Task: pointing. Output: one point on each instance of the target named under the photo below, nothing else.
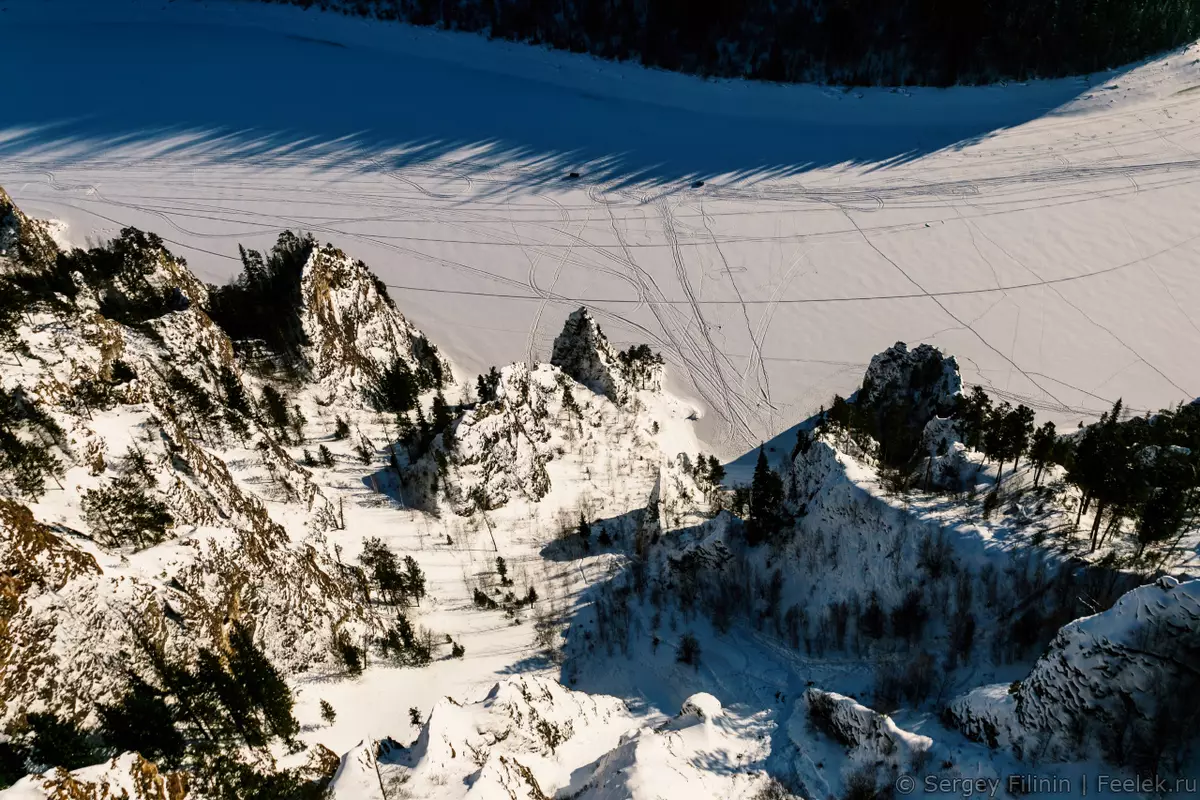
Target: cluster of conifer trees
(930, 42)
(202, 716)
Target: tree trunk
(1096, 524)
(1114, 521)
(1083, 501)
(999, 476)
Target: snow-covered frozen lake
(1045, 234)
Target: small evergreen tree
(584, 532)
(233, 391)
(383, 569)
(487, 385)
(125, 513)
(276, 408)
(264, 685)
(716, 472)
(327, 712)
(689, 651)
(414, 580)
(396, 389)
(325, 456)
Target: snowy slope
(1037, 231)
(1118, 686)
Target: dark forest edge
(848, 42)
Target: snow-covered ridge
(128, 776)
(153, 402)
(1119, 685)
(531, 739)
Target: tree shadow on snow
(240, 96)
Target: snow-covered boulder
(1121, 685)
(837, 741)
(700, 707)
(676, 759)
(855, 726)
(946, 463)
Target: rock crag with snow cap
(354, 330)
(582, 352)
(923, 382)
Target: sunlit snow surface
(1045, 233)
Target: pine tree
(487, 385)
(1041, 449)
(327, 712)
(125, 513)
(766, 517)
(234, 392)
(12, 763)
(584, 532)
(275, 406)
(441, 413)
(414, 580)
(716, 472)
(384, 570)
(396, 389)
(325, 456)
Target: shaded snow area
(548, 312)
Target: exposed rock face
(128, 776)
(24, 243)
(874, 745)
(947, 465)
(158, 389)
(582, 352)
(1121, 685)
(354, 329)
(922, 381)
(503, 444)
(855, 726)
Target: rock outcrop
(354, 330)
(1121, 685)
(582, 352)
